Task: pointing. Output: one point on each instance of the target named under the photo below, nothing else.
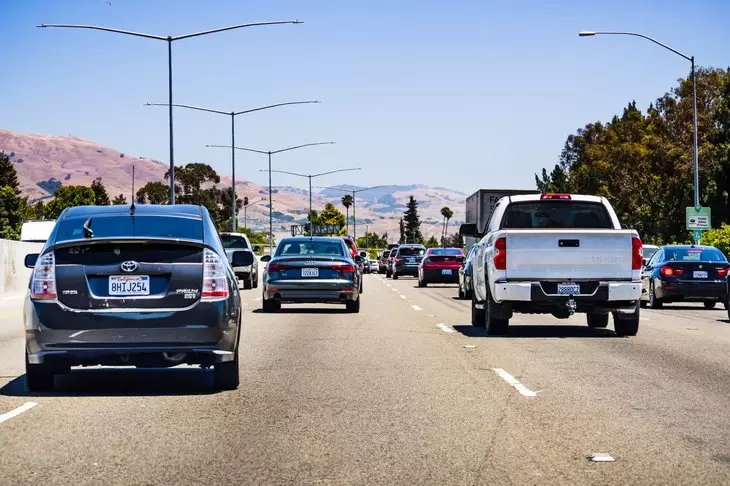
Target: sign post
(698, 220)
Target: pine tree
(8, 175)
(402, 229)
(412, 222)
(12, 206)
(100, 195)
(119, 200)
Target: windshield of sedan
(291, 248)
(693, 255)
(446, 252)
(409, 251)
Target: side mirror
(469, 229)
(256, 249)
(359, 259)
(623, 226)
(30, 260)
(242, 258)
(266, 258)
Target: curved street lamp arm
(239, 148)
(273, 106)
(334, 171)
(285, 172)
(300, 146)
(372, 187)
(189, 107)
(635, 34)
(107, 29)
(222, 29)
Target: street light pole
(233, 115)
(691, 59)
(269, 153)
(169, 39)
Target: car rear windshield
(124, 226)
(446, 252)
(408, 251)
(310, 248)
(693, 255)
(556, 215)
(233, 241)
(386, 254)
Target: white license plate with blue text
(446, 272)
(129, 285)
(569, 288)
(310, 272)
(700, 274)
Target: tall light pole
(270, 153)
(353, 192)
(691, 59)
(310, 177)
(245, 209)
(233, 115)
(169, 39)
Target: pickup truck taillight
(43, 281)
(500, 253)
(637, 254)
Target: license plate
(568, 288)
(310, 272)
(700, 274)
(445, 272)
(411, 260)
(127, 285)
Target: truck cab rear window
(556, 215)
(132, 226)
(237, 242)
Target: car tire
(38, 377)
(460, 293)
(248, 283)
(654, 301)
(626, 325)
(477, 315)
(494, 326)
(597, 321)
(256, 282)
(225, 374)
(395, 277)
(353, 306)
(710, 304)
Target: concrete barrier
(14, 276)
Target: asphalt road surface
(406, 392)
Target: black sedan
(312, 270)
(465, 275)
(685, 273)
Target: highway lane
(404, 392)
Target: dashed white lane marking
(395, 290)
(430, 315)
(512, 381)
(14, 413)
(445, 328)
(402, 296)
(416, 308)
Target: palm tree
(447, 213)
(347, 202)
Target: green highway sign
(698, 219)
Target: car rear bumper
(311, 291)
(437, 275)
(406, 270)
(534, 292)
(693, 290)
(78, 337)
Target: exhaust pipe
(174, 357)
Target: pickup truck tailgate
(569, 254)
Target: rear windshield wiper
(88, 233)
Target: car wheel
(654, 301)
(710, 304)
(597, 320)
(256, 282)
(225, 374)
(477, 315)
(353, 306)
(395, 277)
(38, 377)
(460, 293)
(626, 325)
(494, 326)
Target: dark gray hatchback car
(146, 286)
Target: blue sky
(462, 94)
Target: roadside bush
(719, 238)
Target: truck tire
(477, 315)
(597, 320)
(626, 325)
(494, 326)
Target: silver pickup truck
(556, 254)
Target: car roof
(180, 210)
(688, 247)
(573, 197)
(310, 238)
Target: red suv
(440, 265)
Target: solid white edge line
(14, 413)
(416, 308)
(445, 328)
(512, 381)
(402, 296)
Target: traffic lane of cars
(625, 387)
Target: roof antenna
(132, 208)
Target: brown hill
(43, 162)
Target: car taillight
(277, 267)
(722, 272)
(668, 271)
(215, 284)
(398, 259)
(43, 281)
(344, 268)
(555, 196)
(500, 253)
(637, 254)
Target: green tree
(432, 242)
(412, 222)
(69, 196)
(447, 213)
(100, 195)
(347, 202)
(719, 238)
(8, 174)
(402, 231)
(34, 211)
(13, 207)
(153, 193)
(372, 240)
(120, 200)
(330, 215)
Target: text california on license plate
(310, 272)
(446, 272)
(129, 285)
(569, 288)
(700, 274)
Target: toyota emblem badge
(129, 266)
